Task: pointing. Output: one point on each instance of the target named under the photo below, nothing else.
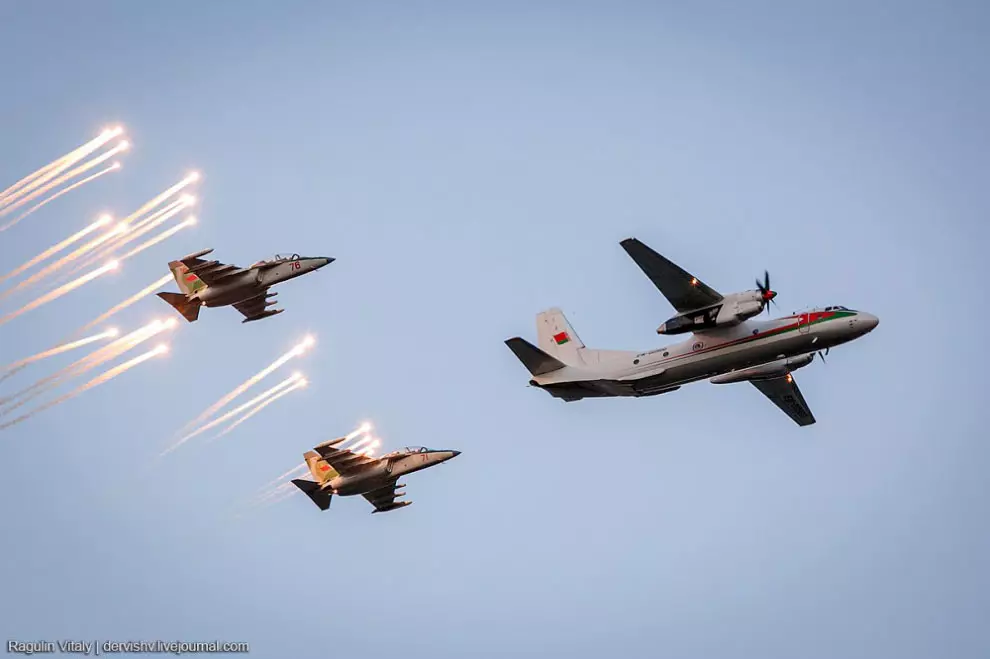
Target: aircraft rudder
(557, 337)
(319, 468)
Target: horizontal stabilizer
(311, 489)
(537, 361)
(188, 308)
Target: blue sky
(470, 164)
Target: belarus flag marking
(561, 338)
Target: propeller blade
(766, 279)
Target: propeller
(823, 356)
(764, 288)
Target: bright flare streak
(58, 194)
(58, 165)
(72, 256)
(247, 384)
(262, 405)
(159, 238)
(85, 167)
(147, 290)
(237, 410)
(370, 448)
(54, 249)
(65, 347)
(158, 199)
(60, 291)
(361, 442)
(98, 380)
(84, 364)
(363, 429)
(133, 232)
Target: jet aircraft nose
(869, 321)
(327, 260)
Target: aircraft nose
(327, 260)
(869, 321)
(453, 454)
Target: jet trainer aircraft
(345, 473)
(214, 284)
(726, 346)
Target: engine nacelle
(731, 311)
(776, 369)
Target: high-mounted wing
(384, 498)
(784, 393)
(684, 291)
(343, 462)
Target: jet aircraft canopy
(278, 258)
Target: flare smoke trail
(250, 382)
(98, 380)
(58, 350)
(237, 410)
(57, 166)
(84, 364)
(165, 235)
(262, 405)
(48, 200)
(298, 468)
(147, 290)
(55, 267)
(59, 292)
(58, 247)
(85, 167)
(134, 230)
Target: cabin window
(635, 361)
(665, 353)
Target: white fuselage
(255, 281)
(384, 471)
(705, 354)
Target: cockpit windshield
(838, 307)
(278, 258)
(415, 449)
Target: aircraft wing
(684, 291)
(254, 307)
(210, 273)
(383, 499)
(784, 393)
(344, 462)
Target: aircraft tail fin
(320, 497)
(556, 336)
(537, 361)
(188, 282)
(319, 468)
(188, 308)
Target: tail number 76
(295, 265)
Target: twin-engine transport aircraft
(726, 346)
(214, 284)
(346, 473)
